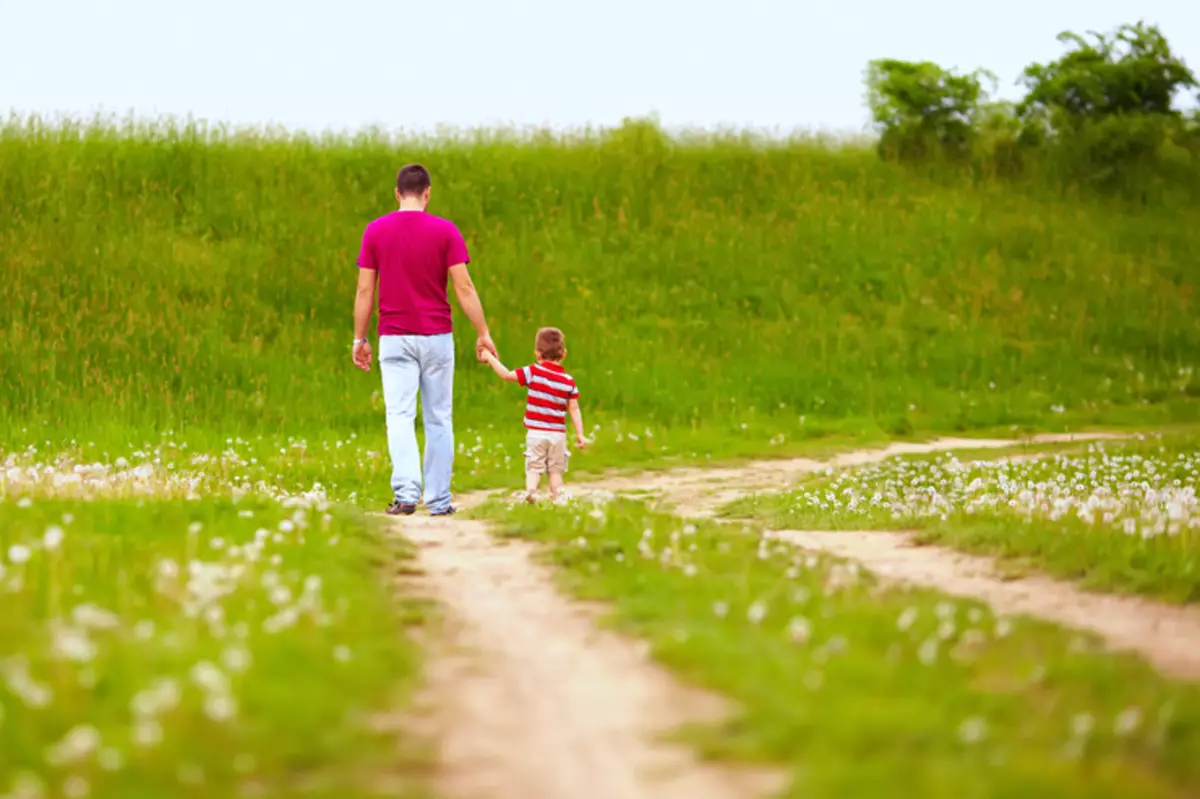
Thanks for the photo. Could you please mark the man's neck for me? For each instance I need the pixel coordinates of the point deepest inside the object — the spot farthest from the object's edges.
(411, 205)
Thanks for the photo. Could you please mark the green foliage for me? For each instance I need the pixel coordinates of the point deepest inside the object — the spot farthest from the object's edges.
(1105, 109)
(921, 108)
(1131, 71)
(1100, 116)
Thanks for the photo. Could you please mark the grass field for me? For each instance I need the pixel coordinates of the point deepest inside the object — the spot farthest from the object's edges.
(190, 602)
(869, 691)
(711, 289)
(1121, 516)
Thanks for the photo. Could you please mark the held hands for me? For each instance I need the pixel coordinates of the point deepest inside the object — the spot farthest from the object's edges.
(483, 346)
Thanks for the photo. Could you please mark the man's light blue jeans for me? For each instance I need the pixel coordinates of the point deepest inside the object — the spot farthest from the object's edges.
(410, 364)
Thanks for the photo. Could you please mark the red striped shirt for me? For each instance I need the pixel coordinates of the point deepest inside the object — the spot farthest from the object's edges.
(550, 388)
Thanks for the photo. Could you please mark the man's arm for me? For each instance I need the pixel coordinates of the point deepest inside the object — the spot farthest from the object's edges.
(577, 420)
(364, 304)
(468, 298)
(499, 368)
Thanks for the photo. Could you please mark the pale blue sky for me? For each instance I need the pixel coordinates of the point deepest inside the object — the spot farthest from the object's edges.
(773, 64)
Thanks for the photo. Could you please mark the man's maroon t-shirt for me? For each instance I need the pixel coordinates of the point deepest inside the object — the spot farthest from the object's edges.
(412, 251)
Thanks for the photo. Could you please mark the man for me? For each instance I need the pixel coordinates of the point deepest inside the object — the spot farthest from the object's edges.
(410, 253)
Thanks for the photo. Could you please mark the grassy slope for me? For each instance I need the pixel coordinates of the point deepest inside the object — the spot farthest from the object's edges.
(835, 685)
(160, 281)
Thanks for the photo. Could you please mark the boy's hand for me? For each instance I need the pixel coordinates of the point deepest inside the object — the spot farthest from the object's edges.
(581, 442)
(484, 346)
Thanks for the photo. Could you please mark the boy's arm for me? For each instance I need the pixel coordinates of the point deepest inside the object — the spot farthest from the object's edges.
(577, 420)
(499, 368)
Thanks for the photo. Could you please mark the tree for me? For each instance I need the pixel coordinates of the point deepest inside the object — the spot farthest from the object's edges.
(920, 107)
(1131, 71)
(1107, 105)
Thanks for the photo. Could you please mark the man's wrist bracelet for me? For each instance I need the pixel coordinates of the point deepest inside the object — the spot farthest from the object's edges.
(358, 341)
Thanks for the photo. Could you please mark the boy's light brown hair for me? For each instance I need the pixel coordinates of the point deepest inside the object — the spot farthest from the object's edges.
(550, 344)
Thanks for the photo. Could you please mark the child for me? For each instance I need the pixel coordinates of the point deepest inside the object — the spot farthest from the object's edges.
(551, 397)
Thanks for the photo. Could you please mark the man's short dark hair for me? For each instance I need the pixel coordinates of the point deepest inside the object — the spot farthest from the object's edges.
(412, 180)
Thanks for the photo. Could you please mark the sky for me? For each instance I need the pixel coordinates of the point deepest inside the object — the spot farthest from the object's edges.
(769, 65)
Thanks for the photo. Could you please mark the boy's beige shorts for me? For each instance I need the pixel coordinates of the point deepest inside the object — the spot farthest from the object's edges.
(546, 453)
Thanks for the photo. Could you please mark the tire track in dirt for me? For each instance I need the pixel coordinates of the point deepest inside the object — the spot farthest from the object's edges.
(1167, 636)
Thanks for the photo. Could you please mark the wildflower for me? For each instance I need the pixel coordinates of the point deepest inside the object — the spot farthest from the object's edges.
(236, 658)
(928, 652)
(1127, 721)
(52, 538)
(973, 730)
(70, 643)
(799, 630)
(757, 612)
(1082, 725)
(147, 732)
(210, 678)
(220, 707)
(342, 654)
(18, 554)
(76, 787)
(160, 696)
(76, 745)
(721, 609)
(21, 683)
(96, 618)
(24, 502)
(907, 618)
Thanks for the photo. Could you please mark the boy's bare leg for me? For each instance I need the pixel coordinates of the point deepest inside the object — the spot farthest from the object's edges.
(533, 481)
(556, 484)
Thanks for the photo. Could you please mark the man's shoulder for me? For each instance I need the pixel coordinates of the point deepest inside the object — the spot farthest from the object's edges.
(441, 223)
(380, 222)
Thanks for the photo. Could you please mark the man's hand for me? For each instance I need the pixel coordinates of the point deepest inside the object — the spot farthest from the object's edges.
(485, 344)
(362, 355)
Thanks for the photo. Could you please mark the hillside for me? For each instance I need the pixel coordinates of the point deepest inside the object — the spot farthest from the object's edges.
(165, 277)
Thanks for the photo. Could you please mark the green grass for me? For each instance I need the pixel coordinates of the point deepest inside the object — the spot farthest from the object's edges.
(172, 278)
(831, 683)
(176, 308)
(178, 658)
(1117, 517)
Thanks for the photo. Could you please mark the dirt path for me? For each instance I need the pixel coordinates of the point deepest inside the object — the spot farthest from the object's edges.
(1168, 636)
(532, 700)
